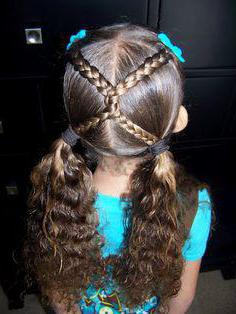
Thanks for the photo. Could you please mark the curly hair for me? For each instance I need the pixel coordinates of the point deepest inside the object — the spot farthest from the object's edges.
(131, 102)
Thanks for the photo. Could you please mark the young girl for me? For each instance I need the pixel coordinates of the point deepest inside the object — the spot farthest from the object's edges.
(116, 224)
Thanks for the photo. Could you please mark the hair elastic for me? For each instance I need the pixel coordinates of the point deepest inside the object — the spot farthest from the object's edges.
(166, 41)
(69, 136)
(80, 35)
(160, 146)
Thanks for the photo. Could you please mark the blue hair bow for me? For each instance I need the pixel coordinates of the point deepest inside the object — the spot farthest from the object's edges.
(81, 34)
(176, 50)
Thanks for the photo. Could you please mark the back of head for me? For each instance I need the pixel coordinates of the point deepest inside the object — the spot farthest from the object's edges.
(125, 77)
(122, 89)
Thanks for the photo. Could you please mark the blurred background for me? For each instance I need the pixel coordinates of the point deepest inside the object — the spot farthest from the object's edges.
(34, 35)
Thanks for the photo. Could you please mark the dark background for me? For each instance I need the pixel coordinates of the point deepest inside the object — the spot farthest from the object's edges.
(32, 113)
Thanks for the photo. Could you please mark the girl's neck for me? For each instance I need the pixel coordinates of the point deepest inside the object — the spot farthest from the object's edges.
(112, 175)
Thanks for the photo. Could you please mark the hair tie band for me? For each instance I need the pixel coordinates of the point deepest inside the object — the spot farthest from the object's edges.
(160, 146)
(69, 136)
(166, 41)
(80, 35)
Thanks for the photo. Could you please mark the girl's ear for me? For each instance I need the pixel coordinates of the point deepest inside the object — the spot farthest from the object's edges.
(182, 120)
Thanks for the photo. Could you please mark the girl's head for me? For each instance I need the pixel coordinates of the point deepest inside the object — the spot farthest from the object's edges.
(123, 91)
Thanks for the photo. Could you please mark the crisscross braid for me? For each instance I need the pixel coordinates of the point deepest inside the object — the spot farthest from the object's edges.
(111, 93)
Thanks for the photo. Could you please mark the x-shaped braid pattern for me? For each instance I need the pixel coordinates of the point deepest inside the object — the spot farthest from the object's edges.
(111, 94)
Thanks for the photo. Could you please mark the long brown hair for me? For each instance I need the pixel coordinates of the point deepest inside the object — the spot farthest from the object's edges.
(122, 92)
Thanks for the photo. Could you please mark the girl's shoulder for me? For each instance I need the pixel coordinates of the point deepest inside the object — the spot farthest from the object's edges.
(202, 219)
(193, 196)
(195, 245)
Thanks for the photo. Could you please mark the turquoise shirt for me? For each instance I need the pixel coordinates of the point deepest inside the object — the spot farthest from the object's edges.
(106, 300)
(110, 210)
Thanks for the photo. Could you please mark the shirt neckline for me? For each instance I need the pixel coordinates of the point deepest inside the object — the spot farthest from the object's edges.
(107, 196)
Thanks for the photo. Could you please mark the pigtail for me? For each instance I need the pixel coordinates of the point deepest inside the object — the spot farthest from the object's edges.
(155, 234)
(62, 249)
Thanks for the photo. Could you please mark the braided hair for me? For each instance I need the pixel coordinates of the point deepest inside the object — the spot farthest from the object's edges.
(111, 93)
(122, 92)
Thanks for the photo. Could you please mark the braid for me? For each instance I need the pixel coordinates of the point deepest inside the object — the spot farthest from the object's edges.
(136, 130)
(111, 93)
(145, 69)
(92, 122)
(111, 112)
(103, 86)
(150, 65)
(92, 74)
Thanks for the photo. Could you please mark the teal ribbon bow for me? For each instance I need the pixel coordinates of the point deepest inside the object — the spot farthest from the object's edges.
(81, 34)
(176, 50)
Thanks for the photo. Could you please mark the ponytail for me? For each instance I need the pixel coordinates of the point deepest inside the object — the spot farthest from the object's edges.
(62, 247)
(152, 260)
